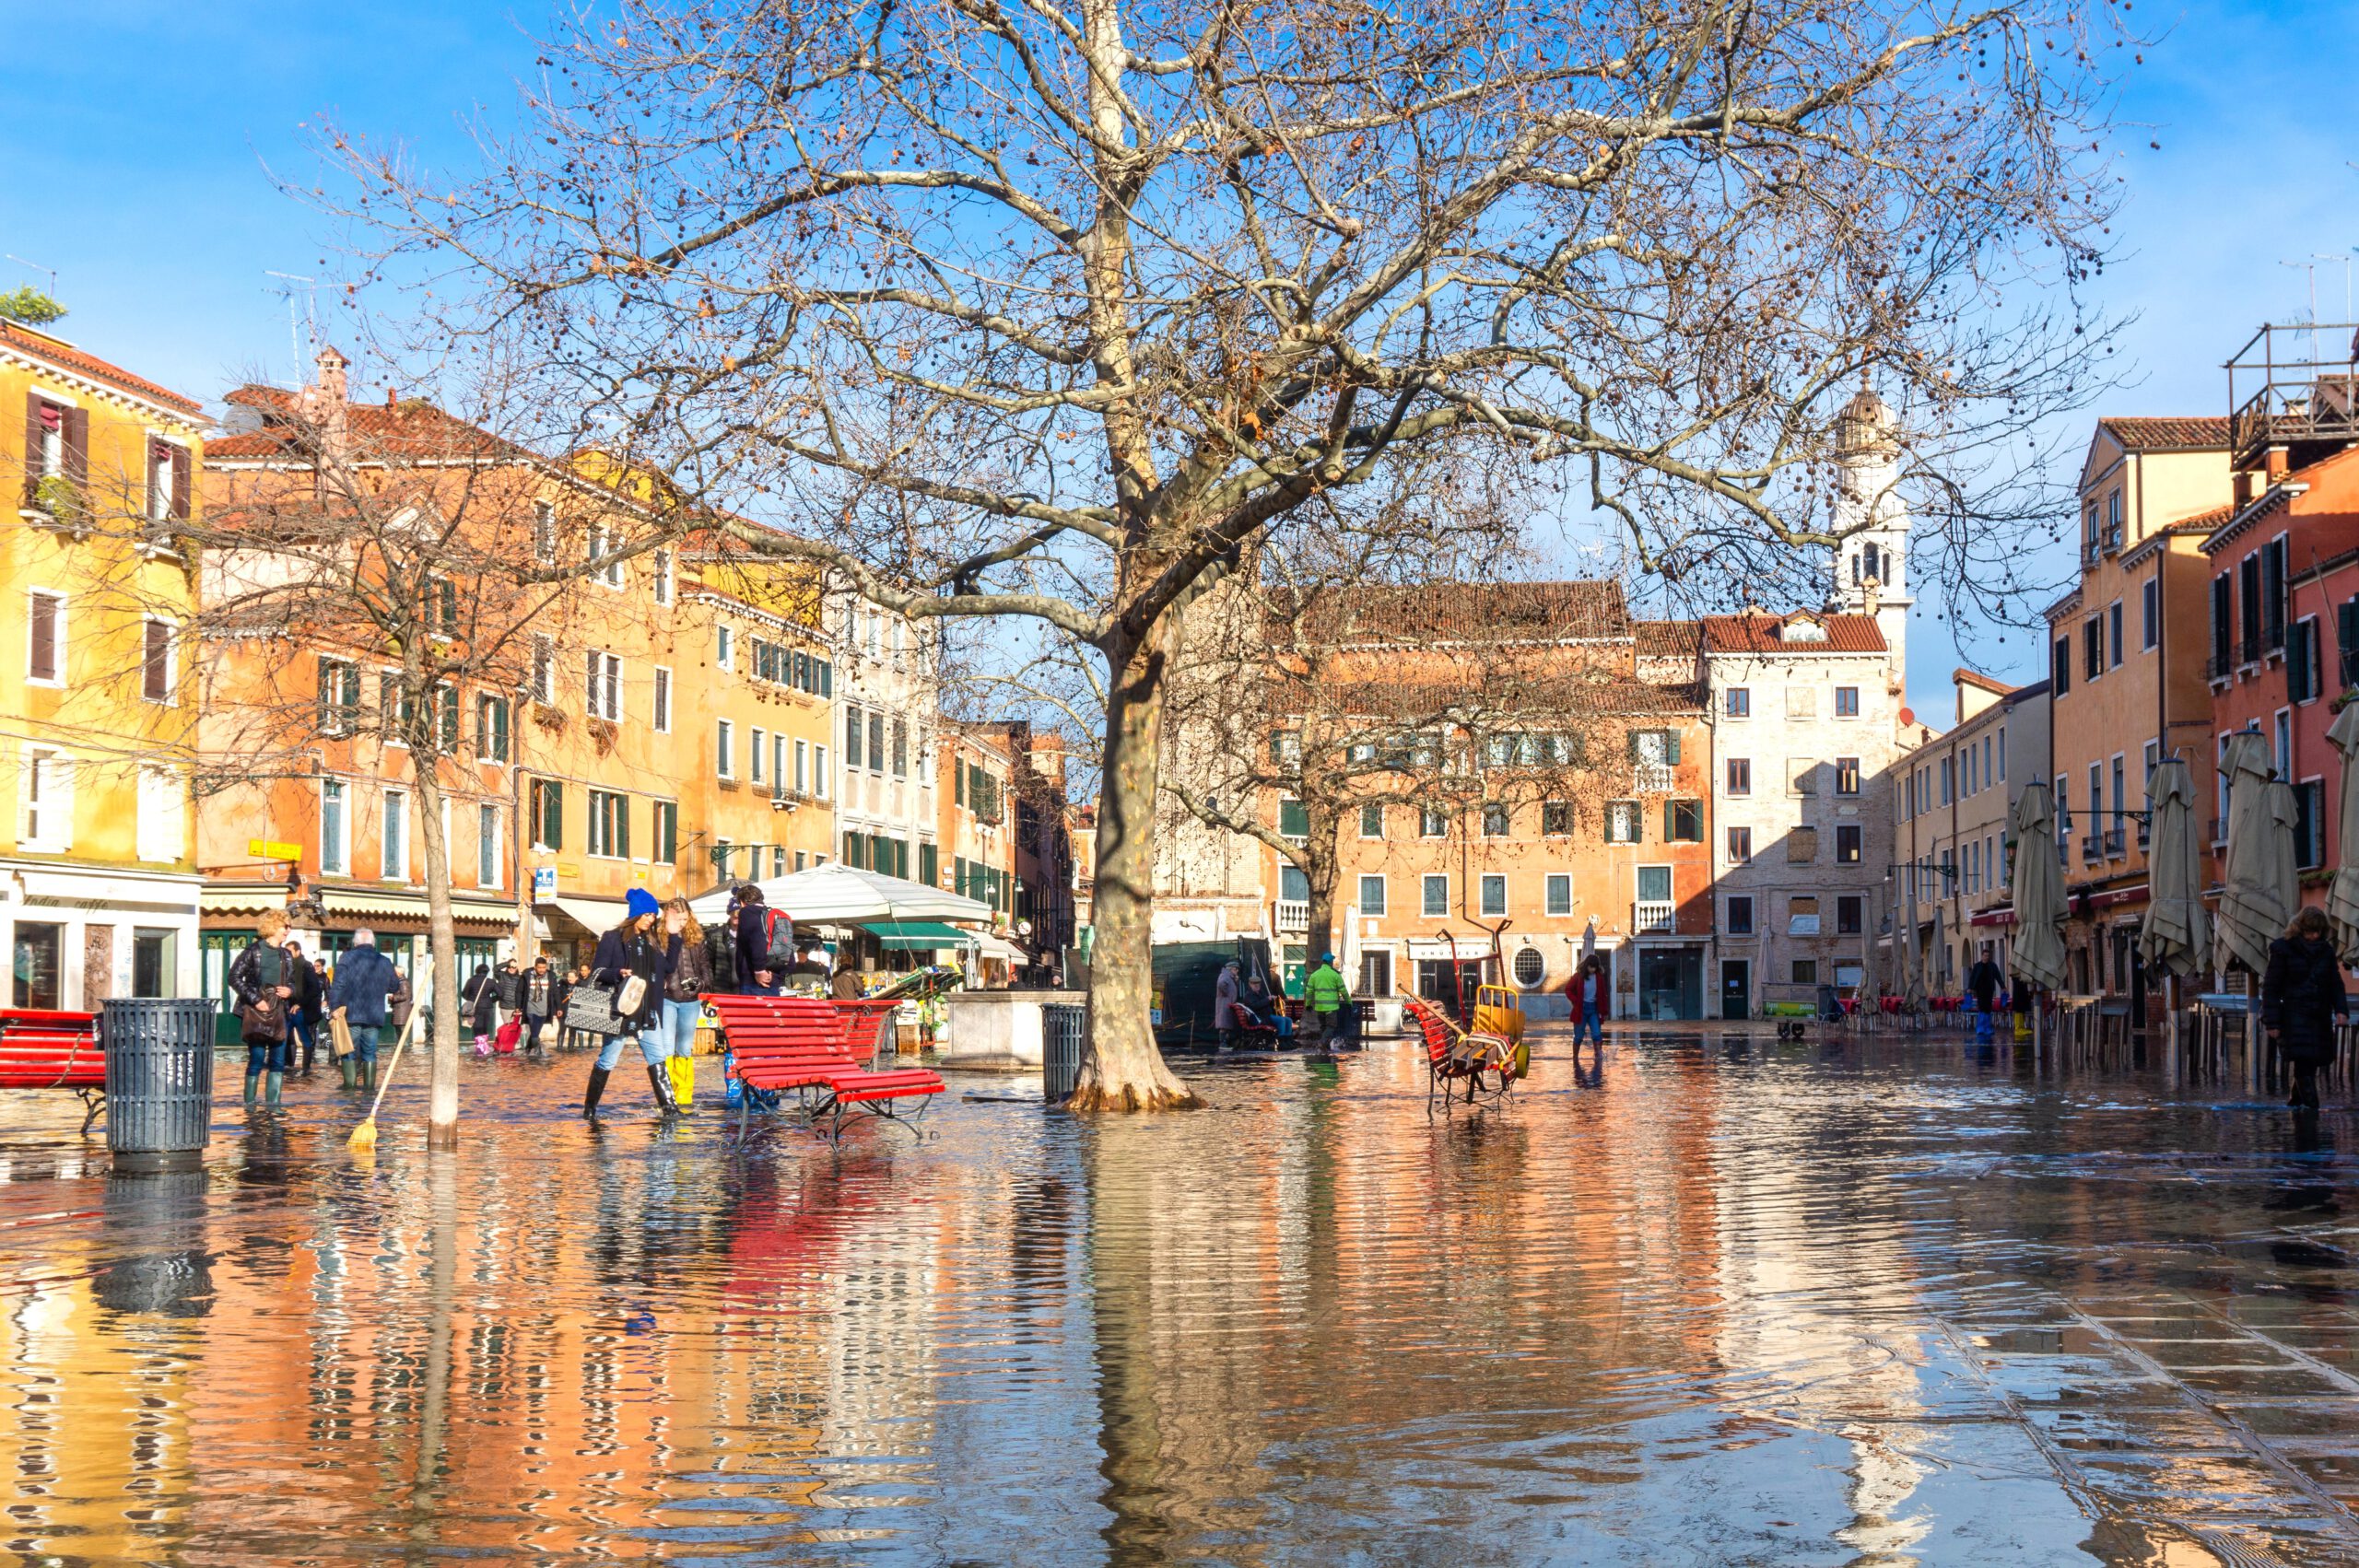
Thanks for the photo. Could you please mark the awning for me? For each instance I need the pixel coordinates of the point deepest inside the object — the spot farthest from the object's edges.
(411, 905)
(596, 916)
(989, 946)
(2004, 915)
(922, 935)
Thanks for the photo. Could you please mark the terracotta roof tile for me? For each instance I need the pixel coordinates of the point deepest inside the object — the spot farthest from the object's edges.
(1761, 634)
(1470, 611)
(1668, 639)
(412, 429)
(2169, 433)
(65, 356)
(1976, 678)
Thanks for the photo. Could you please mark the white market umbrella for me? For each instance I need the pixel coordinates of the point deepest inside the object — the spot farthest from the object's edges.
(2039, 890)
(1589, 941)
(2257, 893)
(837, 894)
(2176, 938)
(2342, 893)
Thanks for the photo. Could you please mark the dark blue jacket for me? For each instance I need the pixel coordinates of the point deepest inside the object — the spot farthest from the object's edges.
(364, 978)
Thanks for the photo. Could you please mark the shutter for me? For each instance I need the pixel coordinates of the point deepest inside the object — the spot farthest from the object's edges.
(1670, 747)
(2346, 635)
(78, 445)
(156, 672)
(1633, 739)
(43, 665)
(183, 463)
(959, 785)
(33, 444)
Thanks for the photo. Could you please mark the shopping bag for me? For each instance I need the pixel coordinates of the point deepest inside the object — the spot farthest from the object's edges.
(683, 1071)
(339, 1034)
(510, 1033)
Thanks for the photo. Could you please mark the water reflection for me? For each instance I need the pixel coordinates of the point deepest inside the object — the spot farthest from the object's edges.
(1713, 1297)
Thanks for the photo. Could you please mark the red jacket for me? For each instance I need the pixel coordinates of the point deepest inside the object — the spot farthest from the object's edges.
(1604, 998)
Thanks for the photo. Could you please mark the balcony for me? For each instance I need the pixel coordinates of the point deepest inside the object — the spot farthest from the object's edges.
(2292, 386)
(1648, 917)
(2219, 831)
(1294, 915)
(2220, 666)
(2114, 848)
(2093, 847)
(2145, 835)
(1653, 778)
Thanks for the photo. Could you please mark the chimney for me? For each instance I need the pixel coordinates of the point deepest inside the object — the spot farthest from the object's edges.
(391, 397)
(321, 407)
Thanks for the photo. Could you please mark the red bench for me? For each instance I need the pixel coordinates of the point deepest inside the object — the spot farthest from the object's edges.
(1485, 1064)
(779, 1043)
(54, 1050)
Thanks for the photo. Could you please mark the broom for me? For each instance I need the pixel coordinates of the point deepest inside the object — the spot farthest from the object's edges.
(364, 1137)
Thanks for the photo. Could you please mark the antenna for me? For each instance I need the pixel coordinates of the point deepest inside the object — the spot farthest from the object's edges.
(36, 266)
(311, 325)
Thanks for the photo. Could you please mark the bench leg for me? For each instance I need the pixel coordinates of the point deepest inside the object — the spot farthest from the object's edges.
(93, 1102)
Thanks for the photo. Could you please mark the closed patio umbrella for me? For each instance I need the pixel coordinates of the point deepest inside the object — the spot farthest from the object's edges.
(2342, 894)
(2039, 890)
(2176, 938)
(2259, 894)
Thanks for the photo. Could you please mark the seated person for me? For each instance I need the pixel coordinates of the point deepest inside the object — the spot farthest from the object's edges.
(807, 975)
(1264, 1009)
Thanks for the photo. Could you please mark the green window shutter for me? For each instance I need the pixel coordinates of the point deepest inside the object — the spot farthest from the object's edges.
(1670, 747)
(1633, 740)
(928, 864)
(958, 784)
(1294, 819)
(553, 818)
(499, 728)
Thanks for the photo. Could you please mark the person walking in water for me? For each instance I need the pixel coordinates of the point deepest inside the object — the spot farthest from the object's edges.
(542, 1001)
(1983, 982)
(687, 976)
(2301, 996)
(630, 952)
(1225, 1005)
(1590, 997)
(362, 991)
(264, 981)
(1329, 995)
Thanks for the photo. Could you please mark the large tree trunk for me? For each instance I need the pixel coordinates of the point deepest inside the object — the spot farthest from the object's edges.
(1318, 861)
(1120, 1069)
(442, 942)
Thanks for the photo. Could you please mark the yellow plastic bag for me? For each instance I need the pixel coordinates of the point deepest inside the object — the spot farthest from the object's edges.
(682, 1070)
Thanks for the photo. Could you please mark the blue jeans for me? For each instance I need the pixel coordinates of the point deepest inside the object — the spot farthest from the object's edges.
(678, 1023)
(652, 1045)
(270, 1057)
(1594, 1024)
(1982, 1022)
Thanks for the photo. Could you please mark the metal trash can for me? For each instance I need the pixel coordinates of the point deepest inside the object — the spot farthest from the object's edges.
(160, 1081)
(1061, 1028)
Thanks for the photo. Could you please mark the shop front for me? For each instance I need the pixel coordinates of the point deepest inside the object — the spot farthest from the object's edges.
(76, 935)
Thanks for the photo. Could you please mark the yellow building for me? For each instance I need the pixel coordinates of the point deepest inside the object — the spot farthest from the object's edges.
(98, 887)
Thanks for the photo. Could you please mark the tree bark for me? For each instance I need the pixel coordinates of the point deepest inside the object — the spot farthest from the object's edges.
(1121, 1068)
(442, 942)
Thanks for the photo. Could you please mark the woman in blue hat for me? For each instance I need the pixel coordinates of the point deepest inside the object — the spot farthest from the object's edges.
(630, 950)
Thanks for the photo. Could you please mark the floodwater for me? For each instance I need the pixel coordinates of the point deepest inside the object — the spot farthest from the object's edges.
(1725, 1301)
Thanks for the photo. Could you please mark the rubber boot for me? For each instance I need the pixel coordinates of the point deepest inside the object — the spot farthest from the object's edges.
(368, 1075)
(598, 1090)
(270, 1093)
(343, 1065)
(253, 1082)
(660, 1080)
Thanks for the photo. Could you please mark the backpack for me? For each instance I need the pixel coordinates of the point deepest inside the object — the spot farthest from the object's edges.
(781, 930)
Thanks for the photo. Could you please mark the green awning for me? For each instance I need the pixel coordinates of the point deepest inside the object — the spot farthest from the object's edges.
(919, 934)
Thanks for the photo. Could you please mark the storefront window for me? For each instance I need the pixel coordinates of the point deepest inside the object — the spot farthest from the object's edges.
(40, 980)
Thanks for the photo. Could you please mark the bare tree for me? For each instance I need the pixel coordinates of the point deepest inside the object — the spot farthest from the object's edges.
(364, 576)
(1046, 310)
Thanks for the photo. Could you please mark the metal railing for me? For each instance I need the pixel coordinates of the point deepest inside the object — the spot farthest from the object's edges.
(2114, 845)
(1650, 915)
(2092, 846)
(2220, 666)
(2286, 388)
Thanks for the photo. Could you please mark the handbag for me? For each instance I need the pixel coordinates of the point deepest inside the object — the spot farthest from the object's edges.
(263, 1022)
(510, 1033)
(630, 995)
(592, 1011)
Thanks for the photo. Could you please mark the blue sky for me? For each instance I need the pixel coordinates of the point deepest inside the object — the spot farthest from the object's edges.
(155, 128)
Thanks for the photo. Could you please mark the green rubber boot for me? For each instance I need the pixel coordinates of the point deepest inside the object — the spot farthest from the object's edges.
(368, 1075)
(343, 1065)
(253, 1082)
(270, 1091)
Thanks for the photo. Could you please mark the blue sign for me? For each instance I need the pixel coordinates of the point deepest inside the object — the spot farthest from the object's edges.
(543, 883)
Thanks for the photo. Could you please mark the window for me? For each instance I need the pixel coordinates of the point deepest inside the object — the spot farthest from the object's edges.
(819, 775)
(1847, 702)
(488, 846)
(724, 654)
(855, 727)
(392, 849)
(1294, 818)
(1847, 776)
(1495, 893)
(2060, 666)
(2249, 599)
(46, 790)
(1621, 822)
(928, 864)
(609, 824)
(1654, 887)
(163, 815)
(1849, 910)
(1738, 703)
(724, 739)
(663, 576)
(1801, 702)
(1740, 776)
(2302, 672)
(2118, 803)
(605, 687)
(2284, 748)
(544, 669)
(491, 728)
(2149, 614)
(444, 700)
(1558, 888)
(1431, 824)
(2093, 647)
(168, 481)
(1435, 890)
(1802, 775)
(1495, 819)
(1654, 750)
(875, 741)
(1372, 894)
(803, 768)
(395, 710)
(1740, 846)
(606, 546)
(442, 605)
(544, 531)
(335, 830)
(1741, 914)
(1529, 968)
(758, 760)
(1556, 818)
(2309, 824)
(339, 696)
(45, 645)
(1847, 844)
(157, 667)
(548, 815)
(2272, 567)
(1683, 822)
(1801, 915)
(1801, 846)
(1371, 822)
(1805, 971)
(2003, 754)
(1947, 773)
(663, 704)
(2113, 633)
(901, 747)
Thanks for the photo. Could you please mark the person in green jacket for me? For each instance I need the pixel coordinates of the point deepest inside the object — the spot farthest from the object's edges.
(1328, 996)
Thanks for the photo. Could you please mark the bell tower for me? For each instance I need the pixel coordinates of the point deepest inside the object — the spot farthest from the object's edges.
(1871, 559)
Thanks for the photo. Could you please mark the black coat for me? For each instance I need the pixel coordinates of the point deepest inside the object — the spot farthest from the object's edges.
(753, 942)
(1984, 983)
(619, 953)
(2301, 996)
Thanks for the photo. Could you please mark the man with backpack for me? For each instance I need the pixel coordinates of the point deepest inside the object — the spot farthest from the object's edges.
(764, 943)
